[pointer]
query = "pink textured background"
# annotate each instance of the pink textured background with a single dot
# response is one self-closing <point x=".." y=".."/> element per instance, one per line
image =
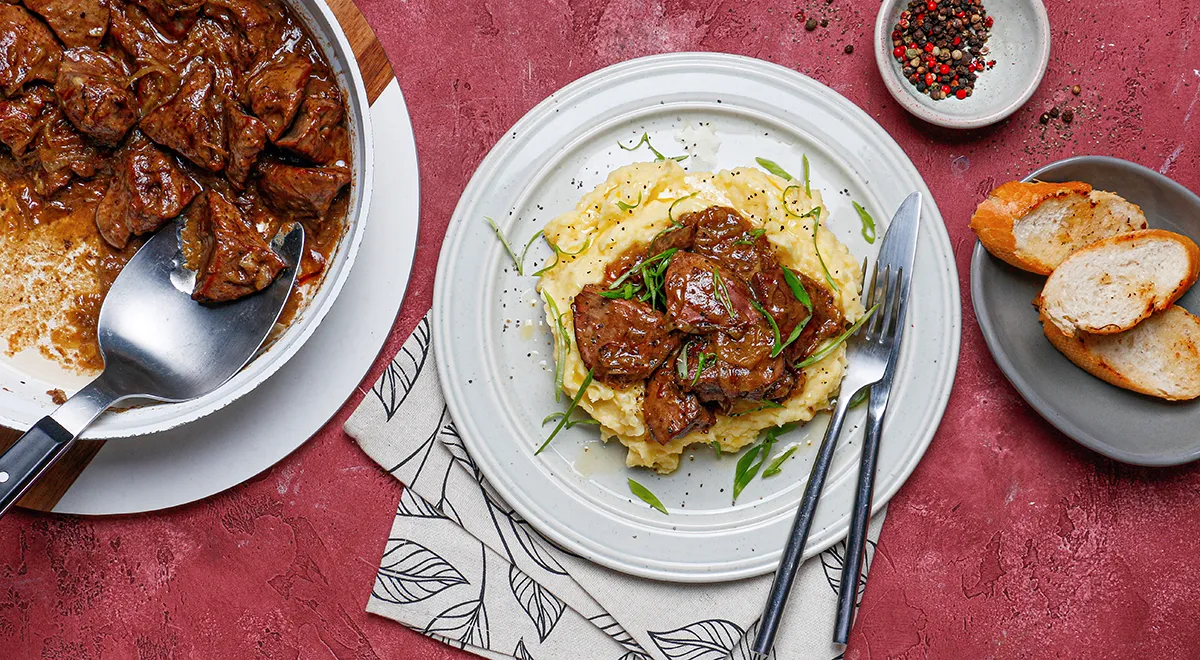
<point x="1008" y="542"/>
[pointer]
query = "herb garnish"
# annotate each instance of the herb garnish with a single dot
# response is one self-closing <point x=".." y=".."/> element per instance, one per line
<point x="508" y="248"/>
<point x="629" y="207"/>
<point x="776" y="465"/>
<point x="860" y="397"/>
<point x="562" y="422"/>
<point x="646" y="496"/>
<point x="751" y="236"/>
<point x="807" y="184"/>
<point x="658" y="156"/>
<point x="817" y="249"/>
<point x="766" y="404"/>
<point x="681" y="362"/>
<point x="814" y="211"/>
<point x="716" y="445"/>
<point x="661" y="256"/>
<point x="671" y="211"/>
<point x="779" y="343"/>
<point x="562" y="345"/>
<point x="723" y="294"/>
<point x="825" y="350"/>
<point x="702" y="361"/>
<point x="772" y="167"/>
<point x="868" y="223"/>
<point x="624" y="293"/>
<point x="559" y="253"/>
<point x="570" y="423"/>
<point x="797" y="287"/>
<point x="749" y="464"/>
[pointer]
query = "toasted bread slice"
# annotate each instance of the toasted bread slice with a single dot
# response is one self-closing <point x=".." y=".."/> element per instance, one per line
<point x="1035" y="226"/>
<point x="1111" y="285"/>
<point x="1160" y="356"/>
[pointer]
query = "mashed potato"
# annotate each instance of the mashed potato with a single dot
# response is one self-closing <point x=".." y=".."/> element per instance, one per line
<point x="608" y="230"/>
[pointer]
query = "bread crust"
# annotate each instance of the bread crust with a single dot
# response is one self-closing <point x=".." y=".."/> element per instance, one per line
<point x="1186" y="283"/>
<point x="1078" y="351"/>
<point x="994" y="217"/>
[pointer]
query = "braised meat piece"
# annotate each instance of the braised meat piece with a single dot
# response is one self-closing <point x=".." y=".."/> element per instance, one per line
<point x="236" y="261"/>
<point x="193" y="121"/>
<point x="22" y="117"/>
<point x="724" y="236"/>
<point x="318" y="133"/>
<point x="276" y="90"/>
<point x="147" y="189"/>
<point x="669" y="411"/>
<point x="300" y="191"/>
<point x="94" y="92"/>
<point x="252" y="20"/>
<point x="28" y="51"/>
<point x="733" y="369"/>
<point x="76" y="22"/>
<point x="679" y="237"/>
<point x="217" y="42"/>
<point x="173" y="17"/>
<point x="827" y="321"/>
<point x="60" y="154"/>
<point x="772" y="291"/>
<point x="703" y="296"/>
<point x="247" y="137"/>
<point x="622" y="341"/>
<point x="140" y="37"/>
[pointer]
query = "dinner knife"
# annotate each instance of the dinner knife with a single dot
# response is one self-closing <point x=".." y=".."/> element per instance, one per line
<point x="897" y="254"/>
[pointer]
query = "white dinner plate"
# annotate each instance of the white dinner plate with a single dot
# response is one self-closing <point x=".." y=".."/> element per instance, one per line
<point x="498" y="377"/>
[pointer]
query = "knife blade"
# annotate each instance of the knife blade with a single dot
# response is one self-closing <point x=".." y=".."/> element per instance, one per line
<point x="897" y="254"/>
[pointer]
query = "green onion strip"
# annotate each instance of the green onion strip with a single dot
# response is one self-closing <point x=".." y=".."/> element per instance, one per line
<point x="587" y="381"/>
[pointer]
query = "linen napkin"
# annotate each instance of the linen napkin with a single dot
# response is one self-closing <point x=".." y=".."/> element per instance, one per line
<point x="462" y="567"/>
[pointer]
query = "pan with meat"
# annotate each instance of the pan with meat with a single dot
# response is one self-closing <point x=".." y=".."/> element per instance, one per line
<point x="698" y="302"/>
<point x="119" y="117"/>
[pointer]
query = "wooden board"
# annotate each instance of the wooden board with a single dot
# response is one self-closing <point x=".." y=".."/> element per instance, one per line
<point x="376" y="73"/>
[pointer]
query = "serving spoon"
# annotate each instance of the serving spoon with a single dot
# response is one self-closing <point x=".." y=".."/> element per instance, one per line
<point x="159" y="345"/>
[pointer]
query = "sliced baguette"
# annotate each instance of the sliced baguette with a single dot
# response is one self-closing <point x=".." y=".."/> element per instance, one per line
<point x="1035" y="226"/>
<point x="1160" y="356"/>
<point x="1111" y="285"/>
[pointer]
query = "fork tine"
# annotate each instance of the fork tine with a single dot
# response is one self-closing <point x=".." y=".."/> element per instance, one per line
<point x="875" y="325"/>
<point x="870" y="300"/>
<point x="890" y="303"/>
<point x="895" y="311"/>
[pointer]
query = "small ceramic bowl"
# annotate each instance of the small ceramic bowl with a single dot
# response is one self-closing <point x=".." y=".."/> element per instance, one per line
<point x="1019" y="43"/>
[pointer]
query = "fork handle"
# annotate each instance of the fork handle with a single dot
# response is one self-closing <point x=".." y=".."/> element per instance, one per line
<point x="785" y="575"/>
<point x="860" y="517"/>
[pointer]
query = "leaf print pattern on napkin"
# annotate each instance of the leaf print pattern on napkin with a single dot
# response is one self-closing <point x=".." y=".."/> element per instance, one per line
<point x="410" y="573"/>
<point x="832" y="561"/>
<point x="398" y="378"/>
<point x="543" y="607"/>
<point x="529" y="540"/>
<point x="745" y="646"/>
<point x="415" y="506"/>
<point x="521" y="653"/>
<point x="465" y="623"/>
<point x="713" y="639"/>
<point x="606" y="623"/>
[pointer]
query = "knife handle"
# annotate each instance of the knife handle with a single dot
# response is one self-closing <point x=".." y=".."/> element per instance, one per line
<point x="860" y="517"/>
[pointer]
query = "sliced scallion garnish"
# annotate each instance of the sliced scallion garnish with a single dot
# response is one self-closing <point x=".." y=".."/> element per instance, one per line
<point x="749" y="465"/>
<point x="772" y="167"/>
<point x="860" y="397"/>
<point x="658" y="155"/>
<point x="646" y="496"/>
<point x="570" y="423"/>
<point x="868" y="223"/>
<point x="681" y="361"/>
<point x="716" y="445"/>
<point x="661" y="256"/>
<point x="671" y="211"/>
<point x="797" y="287"/>
<point x="778" y="347"/>
<point x="703" y="361"/>
<point x="559" y="253"/>
<point x="817" y="249"/>
<point x="776" y="465"/>
<point x="507" y="248"/>
<point x="723" y="294"/>
<point x="562" y="345"/>
<point x="624" y="293"/>
<point x="807" y="183"/>
<point x="824" y="351"/>
<point x="587" y="381"/>
<point x="751" y="236"/>
<point x="629" y="207"/>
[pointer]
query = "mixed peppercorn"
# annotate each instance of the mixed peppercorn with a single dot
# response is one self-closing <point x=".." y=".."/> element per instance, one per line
<point x="941" y="46"/>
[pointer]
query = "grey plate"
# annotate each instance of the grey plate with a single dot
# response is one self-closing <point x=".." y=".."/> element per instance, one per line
<point x="1124" y="425"/>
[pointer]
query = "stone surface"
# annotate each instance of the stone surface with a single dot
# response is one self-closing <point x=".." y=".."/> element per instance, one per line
<point x="1009" y="541"/>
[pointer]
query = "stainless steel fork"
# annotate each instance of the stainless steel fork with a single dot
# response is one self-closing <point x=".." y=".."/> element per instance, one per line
<point x="867" y="360"/>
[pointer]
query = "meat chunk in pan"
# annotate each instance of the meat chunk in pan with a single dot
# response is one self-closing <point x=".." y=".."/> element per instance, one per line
<point x="276" y="90"/>
<point x="703" y="296"/>
<point x="236" y="261"/>
<point x="300" y="191"/>
<point x="60" y="154"/>
<point x="147" y="189"/>
<point x="669" y="411"/>
<point x="94" y="92"/>
<point x="318" y="133"/>
<point x="28" y="51"/>
<point x="76" y="22"/>
<point x="247" y="137"/>
<point x="622" y="341"/>
<point x="22" y="117"/>
<point x="193" y="121"/>
<point x="724" y="236"/>
<point x="173" y="17"/>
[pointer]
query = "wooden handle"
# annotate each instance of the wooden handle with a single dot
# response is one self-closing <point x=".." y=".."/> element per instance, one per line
<point x="376" y="73"/>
